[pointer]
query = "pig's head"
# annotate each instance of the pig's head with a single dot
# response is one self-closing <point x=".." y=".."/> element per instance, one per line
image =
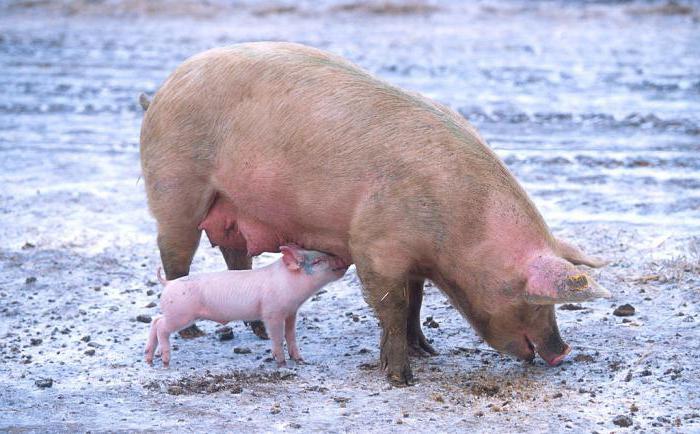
<point x="313" y="263"/>
<point x="520" y="319"/>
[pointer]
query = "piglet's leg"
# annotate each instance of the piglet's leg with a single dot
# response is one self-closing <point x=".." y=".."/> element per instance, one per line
<point x="290" y="337"/>
<point x="275" y="326"/>
<point x="164" y="329"/>
<point x="152" y="341"/>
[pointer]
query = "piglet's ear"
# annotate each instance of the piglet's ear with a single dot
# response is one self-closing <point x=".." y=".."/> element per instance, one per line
<point x="291" y="258"/>
<point x="552" y="280"/>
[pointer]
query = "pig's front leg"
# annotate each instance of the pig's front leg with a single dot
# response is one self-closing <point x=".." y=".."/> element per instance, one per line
<point x="388" y="298"/>
<point x="290" y="337"/>
<point x="275" y="329"/>
<point x="418" y="345"/>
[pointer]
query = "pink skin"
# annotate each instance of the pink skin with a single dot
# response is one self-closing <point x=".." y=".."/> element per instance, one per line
<point x="272" y="294"/>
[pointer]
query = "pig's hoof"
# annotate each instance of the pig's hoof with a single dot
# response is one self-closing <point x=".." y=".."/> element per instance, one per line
<point x="418" y="345"/>
<point x="401" y="378"/>
<point x="191" y="332"/>
<point x="258" y="328"/>
<point x="421" y="349"/>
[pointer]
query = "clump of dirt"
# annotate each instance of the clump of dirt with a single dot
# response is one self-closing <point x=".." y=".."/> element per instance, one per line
<point x="233" y="382"/>
<point x="224" y="333"/>
<point x="485" y="389"/>
<point x="624" y="310"/>
<point x="570" y="306"/>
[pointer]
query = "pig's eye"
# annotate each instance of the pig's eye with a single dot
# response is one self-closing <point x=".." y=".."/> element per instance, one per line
<point x="316" y="261"/>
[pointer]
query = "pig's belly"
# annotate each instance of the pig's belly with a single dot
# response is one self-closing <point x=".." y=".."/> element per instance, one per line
<point x="225" y="226"/>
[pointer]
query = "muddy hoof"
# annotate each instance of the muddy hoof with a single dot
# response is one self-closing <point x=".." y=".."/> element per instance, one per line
<point x="418" y="346"/>
<point x="258" y="328"/>
<point x="191" y="332"/>
<point x="421" y="349"/>
<point x="401" y="378"/>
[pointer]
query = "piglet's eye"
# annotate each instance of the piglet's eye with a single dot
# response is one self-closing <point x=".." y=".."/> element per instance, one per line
<point x="316" y="261"/>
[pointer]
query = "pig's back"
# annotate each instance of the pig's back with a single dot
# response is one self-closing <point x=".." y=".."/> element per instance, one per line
<point x="300" y="140"/>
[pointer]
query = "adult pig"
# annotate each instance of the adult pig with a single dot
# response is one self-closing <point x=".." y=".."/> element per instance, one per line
<point x="268" y="144"/>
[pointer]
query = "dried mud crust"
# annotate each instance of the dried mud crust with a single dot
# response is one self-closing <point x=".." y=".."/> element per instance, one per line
<point x="233" y="382"/>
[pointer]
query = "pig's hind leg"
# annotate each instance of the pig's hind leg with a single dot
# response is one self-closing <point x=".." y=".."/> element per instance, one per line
<point x="152" y="343"/>
<point x="179" y="202"/>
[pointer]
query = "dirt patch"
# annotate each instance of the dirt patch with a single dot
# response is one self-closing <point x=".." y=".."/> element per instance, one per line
<point x="233" y="382"/>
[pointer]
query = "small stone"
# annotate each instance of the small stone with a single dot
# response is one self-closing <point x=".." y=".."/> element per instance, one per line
<point x="430" y="322"/>
<point x="28" y="245"/>
<point x="557" y="395"/>
<point x="224" y="333"/>
<point x="150" y="292"/>
<point x="85" y="338"/>
<point x="36" y="341"/>
<point x="29" y="280"/>
<point x="294" y="425"/>
<point x="90" y="352"/>
<point x="241" y="350"/>
<point x="275" y="409"/>
<point x="624" y="310"/>
<point x="151" y="304"/>
<point x="44" y="383"/>
<point x="143" y="318"/>
<point x="623" y="421"/>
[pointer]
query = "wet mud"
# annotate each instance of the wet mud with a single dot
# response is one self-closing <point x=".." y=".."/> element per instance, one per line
<point x="594" y="107"/>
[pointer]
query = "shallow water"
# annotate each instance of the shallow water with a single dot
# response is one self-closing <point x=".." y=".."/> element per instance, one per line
<point x="595" y="107"/>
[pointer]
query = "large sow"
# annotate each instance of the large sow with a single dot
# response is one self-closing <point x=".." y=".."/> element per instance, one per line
<point x="268" y="144"/>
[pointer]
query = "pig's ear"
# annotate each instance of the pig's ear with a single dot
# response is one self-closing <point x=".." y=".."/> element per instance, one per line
<point x="552" y="280"/>
<point x="574" y="255"/>
<point x="291" y="258"/>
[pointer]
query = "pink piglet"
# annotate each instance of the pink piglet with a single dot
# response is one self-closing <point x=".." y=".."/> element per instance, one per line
<point x="272" y="294"/>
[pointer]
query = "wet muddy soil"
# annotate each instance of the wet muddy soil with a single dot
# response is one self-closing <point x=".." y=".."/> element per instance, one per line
<point x="595" y="108"/>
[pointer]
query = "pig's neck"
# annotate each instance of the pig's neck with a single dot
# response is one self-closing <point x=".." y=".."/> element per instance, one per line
<point x="304" y="282"/>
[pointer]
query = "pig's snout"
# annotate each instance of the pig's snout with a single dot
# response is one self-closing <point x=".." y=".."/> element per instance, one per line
<point x="338" y="266"/>
<point x="552" y="350"/>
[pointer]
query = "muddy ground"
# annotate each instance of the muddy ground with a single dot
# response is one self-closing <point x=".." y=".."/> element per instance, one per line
<point x="595" y="107"/>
